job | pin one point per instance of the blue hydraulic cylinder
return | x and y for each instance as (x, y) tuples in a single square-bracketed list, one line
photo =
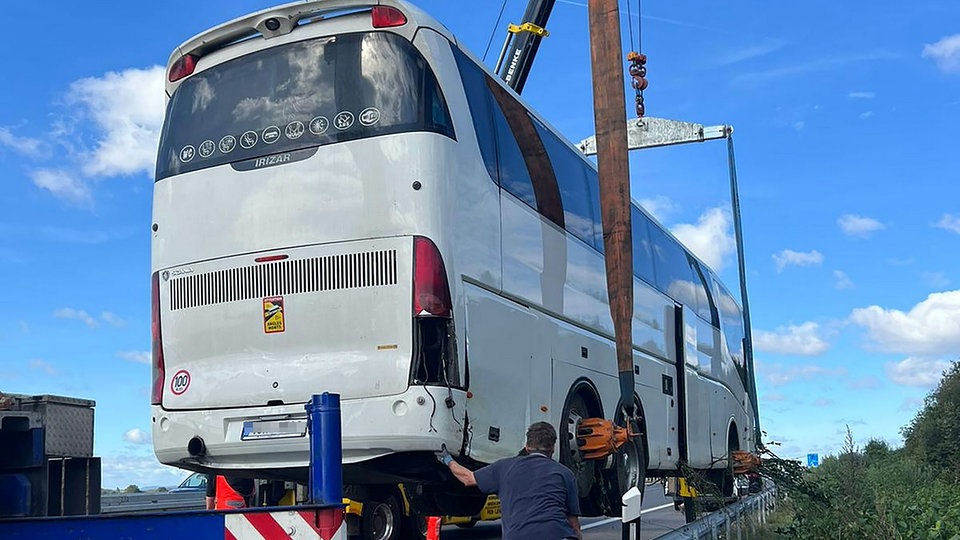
[(326, 450)]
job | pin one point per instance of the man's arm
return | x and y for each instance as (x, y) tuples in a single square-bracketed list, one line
[(575, 523), (463, 474)]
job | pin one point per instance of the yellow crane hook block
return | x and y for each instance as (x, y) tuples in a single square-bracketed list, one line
[(598, 437)]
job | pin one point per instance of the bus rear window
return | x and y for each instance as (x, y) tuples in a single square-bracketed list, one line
[(300, 95)]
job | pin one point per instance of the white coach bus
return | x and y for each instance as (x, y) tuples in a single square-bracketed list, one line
[(347, 201)]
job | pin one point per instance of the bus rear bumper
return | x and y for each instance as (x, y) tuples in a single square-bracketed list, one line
[(417, 420)]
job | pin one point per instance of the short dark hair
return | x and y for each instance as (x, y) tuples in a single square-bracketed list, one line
[(541, 436)]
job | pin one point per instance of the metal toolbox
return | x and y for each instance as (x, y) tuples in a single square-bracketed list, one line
[(67, 422)]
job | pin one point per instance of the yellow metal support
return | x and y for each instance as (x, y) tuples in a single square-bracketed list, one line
[(528, 27)]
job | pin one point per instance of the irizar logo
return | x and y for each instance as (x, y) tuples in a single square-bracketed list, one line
[(267, 161)]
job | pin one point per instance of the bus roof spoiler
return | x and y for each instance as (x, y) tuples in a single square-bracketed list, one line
[(285, 18)]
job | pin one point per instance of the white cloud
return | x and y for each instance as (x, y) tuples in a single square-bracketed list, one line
[(23, 145), (773, 396), (931, 328), (119, 471), (799, 125), (916, 371), (788, 257), (43, 366), (823, 402), (710, 239), (140, 357), (778, 375), (865, 383), (136, 436), (946, 53), (112, 319), (910, 405), (63, 185), (127, 110), (77, 315), (949, 222), (801, 340), (935, 279), (854, 225), (866, 114), (843, 280), (861, 95), (658, 207)]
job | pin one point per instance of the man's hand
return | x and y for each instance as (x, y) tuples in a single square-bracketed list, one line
[(443, 455)]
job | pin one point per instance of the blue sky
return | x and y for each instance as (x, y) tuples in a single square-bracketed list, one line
[(845, 115)]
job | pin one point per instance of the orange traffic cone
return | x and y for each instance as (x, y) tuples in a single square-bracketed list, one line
[(433, 528)]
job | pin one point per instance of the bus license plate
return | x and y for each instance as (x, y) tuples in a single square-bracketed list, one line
[(273, 429)]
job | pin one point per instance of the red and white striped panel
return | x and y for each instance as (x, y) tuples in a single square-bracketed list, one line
[(319, 524)]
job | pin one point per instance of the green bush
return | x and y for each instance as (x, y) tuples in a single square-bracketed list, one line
[(912, 493)]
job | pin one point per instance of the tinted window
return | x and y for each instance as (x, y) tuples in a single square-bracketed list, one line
[(300, 95), (672, 270), (481, 109), (578, 192), (514, 176), (705, 302), (732, 319), (515, 130), (642, 250)]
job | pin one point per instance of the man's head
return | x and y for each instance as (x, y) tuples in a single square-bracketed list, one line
[(541, 437)]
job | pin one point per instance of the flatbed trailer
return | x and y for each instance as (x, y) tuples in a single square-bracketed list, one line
[(322, 518)]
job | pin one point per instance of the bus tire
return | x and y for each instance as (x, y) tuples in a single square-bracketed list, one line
[(381, 517), (577, 407), (629, 467)]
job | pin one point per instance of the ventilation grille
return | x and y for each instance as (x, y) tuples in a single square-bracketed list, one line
[(350, 271)]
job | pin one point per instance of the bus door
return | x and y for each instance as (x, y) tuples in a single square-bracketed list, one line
[(695, 392)]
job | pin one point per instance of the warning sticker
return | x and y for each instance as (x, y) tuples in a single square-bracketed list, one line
[(273, 314)]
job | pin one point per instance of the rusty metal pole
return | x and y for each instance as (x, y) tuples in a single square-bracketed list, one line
[(609, 109)]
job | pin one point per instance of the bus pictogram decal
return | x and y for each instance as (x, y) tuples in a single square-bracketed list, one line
[(273, 314)]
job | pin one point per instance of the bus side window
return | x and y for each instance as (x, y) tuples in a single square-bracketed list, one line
[(525, 168), (642, 251), (581, 197), (481, 109), (674, 276)]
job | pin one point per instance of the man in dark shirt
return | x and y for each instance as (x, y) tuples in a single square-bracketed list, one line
[(538, 496)]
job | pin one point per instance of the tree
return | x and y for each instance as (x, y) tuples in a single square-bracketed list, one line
[(933, 436), (132, 488)]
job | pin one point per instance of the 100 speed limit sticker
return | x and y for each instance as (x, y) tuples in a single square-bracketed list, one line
[(180, 382)]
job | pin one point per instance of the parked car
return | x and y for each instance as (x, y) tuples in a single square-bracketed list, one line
[(194, 482)]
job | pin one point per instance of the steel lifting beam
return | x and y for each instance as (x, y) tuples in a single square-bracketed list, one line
[(520, 47), (650, 132)]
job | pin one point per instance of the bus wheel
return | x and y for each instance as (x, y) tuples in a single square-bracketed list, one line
[(585, 471), (628, 467), (380, 518)]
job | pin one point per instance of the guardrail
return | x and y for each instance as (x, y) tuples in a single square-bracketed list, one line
[(112, 503), (737, 520)]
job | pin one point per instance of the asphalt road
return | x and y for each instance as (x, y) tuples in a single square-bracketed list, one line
[(659, 517)]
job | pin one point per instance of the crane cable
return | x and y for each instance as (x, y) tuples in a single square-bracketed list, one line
[(494, 31), (638, 60)]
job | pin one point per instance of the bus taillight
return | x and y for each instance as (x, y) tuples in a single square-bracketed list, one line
[(387, 17), (156, 395), (182, 67), (431, 293)]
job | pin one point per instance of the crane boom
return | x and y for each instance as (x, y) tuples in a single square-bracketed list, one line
[(522, 43)]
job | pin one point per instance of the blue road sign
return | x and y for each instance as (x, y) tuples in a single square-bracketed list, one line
[(813, 460)]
